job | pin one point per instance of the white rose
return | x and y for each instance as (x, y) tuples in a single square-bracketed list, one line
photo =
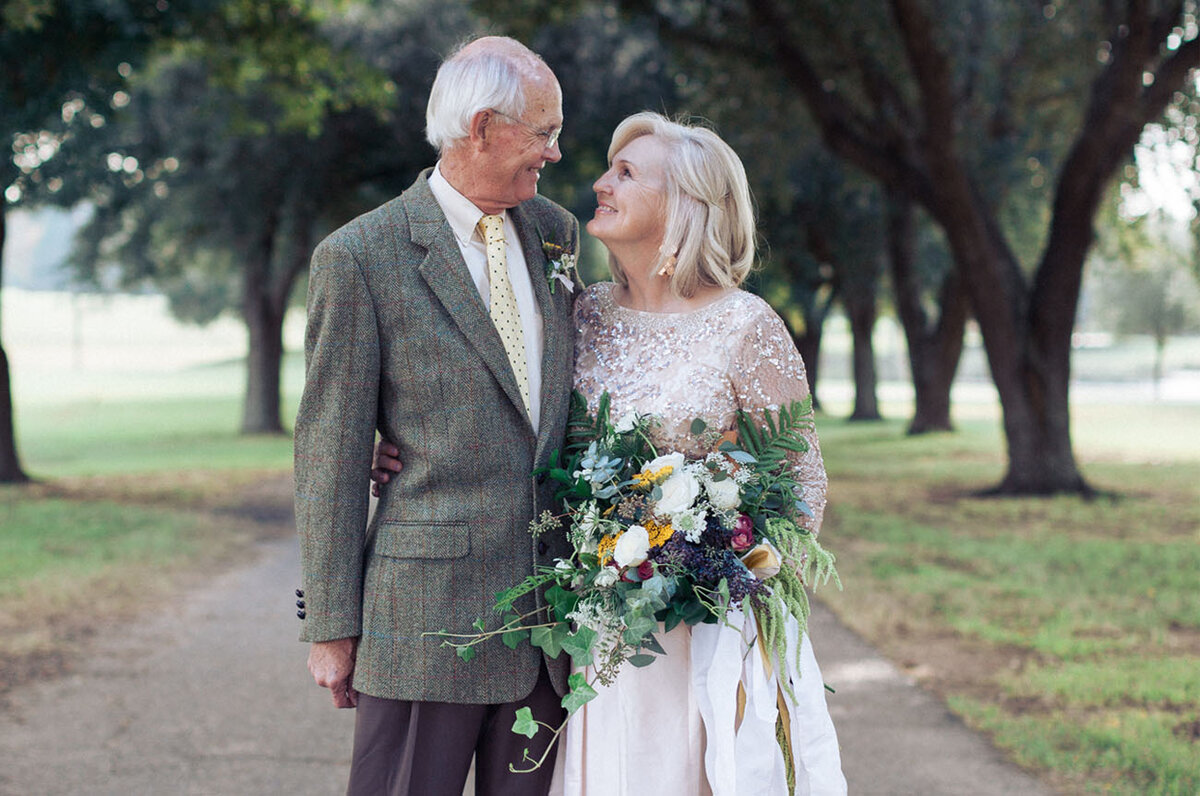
[(626, 423), (606, 577), (674, 460), (632, 547), (724, 494), (678, 493)]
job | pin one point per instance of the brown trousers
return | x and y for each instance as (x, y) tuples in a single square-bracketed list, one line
[(425, 748)]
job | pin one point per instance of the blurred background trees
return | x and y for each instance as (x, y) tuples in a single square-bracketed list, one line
[(51, 54), (932, 161)]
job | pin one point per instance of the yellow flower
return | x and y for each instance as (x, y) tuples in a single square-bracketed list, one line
[(605, 548), (647, 479), (659, 533)]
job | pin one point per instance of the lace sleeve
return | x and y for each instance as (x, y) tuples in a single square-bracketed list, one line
[(768, 373)]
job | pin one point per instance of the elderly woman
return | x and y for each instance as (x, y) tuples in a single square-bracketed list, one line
[(674, 336)]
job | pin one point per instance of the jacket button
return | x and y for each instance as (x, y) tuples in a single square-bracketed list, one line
[(301, 613), (299, 603), (299, 592), (542, 548), (541, 478)]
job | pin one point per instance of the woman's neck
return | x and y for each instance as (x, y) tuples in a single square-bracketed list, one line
[(647, 291)]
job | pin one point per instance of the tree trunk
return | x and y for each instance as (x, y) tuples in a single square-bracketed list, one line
[(264, 324), (260, 414), (933, 352), (809, 346), (10, 463), (862, 313), (264, 307), (815, 310)]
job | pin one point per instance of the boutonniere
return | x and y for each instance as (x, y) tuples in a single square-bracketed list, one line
[(560, 265)]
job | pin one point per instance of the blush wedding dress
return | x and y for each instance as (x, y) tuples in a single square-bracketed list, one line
[(672, 728)]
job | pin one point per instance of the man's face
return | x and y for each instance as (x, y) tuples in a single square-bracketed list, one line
[(519, 148)]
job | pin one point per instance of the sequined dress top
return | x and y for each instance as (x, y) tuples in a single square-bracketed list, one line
[(734, 353)]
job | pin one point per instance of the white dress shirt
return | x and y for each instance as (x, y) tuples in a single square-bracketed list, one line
[(464, 217)]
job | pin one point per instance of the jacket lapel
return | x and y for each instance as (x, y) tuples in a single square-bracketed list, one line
[(556, 346), (444, 270)]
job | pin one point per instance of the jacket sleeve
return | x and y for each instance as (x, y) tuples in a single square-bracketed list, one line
[(335, 433)]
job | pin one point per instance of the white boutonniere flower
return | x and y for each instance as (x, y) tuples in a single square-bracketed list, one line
[(560, 265)]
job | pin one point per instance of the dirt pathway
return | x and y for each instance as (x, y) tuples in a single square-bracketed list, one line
[(212, 697)]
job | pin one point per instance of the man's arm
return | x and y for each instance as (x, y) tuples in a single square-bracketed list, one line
[(335, 429)]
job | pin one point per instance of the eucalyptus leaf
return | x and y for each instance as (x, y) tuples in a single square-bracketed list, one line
[(641, 660), (651, 643)]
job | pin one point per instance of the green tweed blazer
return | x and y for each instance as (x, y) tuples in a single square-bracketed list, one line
[(399, 341)]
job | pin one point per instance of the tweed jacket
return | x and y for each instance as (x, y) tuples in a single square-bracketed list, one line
[(398, 340)]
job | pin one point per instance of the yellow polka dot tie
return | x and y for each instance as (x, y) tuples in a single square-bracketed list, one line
[(503, 302)]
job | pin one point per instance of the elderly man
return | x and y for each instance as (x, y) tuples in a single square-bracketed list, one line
[(431, 319)]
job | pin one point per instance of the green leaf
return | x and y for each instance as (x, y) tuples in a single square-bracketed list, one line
[(673, 617), (525, 725), (651, 643), (466, 653), (580, 694), (638, 627), (698, 426), (513, 638), (641, 660), (549, 639), (562, 601), (478, 624), (579, 645)]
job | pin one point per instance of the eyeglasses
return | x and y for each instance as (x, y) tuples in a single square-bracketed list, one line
[(549, 137)]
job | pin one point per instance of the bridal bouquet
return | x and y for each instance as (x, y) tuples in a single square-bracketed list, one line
[(659, 537)]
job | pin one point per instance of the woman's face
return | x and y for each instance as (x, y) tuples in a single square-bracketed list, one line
[(632, 198)]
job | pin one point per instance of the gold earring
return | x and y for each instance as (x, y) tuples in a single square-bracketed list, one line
[(668, 266)]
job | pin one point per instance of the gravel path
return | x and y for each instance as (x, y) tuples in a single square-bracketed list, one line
[(212, 697)]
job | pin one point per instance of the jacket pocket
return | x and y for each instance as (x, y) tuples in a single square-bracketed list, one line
[(423, 539)]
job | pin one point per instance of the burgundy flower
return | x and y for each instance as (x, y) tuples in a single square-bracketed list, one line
[(645, 569), (743, 534)]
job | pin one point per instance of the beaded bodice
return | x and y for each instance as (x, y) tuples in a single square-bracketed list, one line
[(732, 354)]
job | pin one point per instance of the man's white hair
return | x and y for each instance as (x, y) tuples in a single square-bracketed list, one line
[(476, 78)]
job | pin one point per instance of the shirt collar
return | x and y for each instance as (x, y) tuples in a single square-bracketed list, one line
[(460, 211)]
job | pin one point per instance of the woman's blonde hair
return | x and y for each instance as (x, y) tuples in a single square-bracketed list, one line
[(709, 214)]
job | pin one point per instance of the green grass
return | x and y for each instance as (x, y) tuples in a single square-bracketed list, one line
[(1068, 629), (55, 539), (147, 436)]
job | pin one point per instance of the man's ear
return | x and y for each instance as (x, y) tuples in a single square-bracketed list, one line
[(481, 127)]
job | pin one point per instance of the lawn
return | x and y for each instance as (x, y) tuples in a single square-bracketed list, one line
[(1067, 629)]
